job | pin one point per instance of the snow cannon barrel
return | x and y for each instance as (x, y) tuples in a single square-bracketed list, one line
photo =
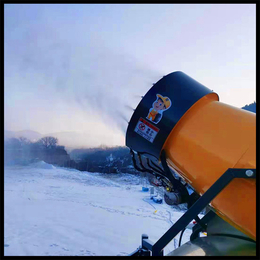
[(202, 138)]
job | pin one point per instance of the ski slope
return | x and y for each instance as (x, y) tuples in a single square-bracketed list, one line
[(53, 211)]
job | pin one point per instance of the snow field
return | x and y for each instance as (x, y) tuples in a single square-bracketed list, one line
[(52, 211)]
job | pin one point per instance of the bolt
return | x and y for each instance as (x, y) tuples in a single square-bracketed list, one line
[(249, 173)]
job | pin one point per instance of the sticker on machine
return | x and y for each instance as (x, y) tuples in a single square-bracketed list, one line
[(160, 105), (146, 130)]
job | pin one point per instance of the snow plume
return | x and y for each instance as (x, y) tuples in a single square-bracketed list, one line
[(104, 84), (64, 78)]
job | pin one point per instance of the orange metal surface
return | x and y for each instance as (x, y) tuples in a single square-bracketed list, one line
[(210, 138)]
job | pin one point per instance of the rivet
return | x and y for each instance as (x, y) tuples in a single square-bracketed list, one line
[(249, 173)]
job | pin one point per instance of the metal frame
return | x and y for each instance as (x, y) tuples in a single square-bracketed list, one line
[(156, 249)]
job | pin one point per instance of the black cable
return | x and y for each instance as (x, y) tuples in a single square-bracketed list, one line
[(134, 162), (181, 236), (159, 168), (141, 163), (143, 169), (154, 169), (148, 154), (156, 173)]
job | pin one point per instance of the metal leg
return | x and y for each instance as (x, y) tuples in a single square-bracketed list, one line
[(195, 209)]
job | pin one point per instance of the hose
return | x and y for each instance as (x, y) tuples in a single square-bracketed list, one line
[(181, 236)]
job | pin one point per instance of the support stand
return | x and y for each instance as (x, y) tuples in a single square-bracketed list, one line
[(149, 248)]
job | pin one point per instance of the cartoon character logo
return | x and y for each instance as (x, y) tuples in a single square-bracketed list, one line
[(159, 106)]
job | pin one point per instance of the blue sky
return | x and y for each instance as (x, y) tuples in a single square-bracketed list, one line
[(79, 67)]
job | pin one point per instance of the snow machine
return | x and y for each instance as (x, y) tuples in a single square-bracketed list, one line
[(185, 137)]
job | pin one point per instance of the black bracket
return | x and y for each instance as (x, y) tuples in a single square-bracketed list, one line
[(158, 173), (201, 225), (157, 247)]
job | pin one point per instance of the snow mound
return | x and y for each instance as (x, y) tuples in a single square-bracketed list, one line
[(43, 165)]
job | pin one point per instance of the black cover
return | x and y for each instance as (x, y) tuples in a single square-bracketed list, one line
[(183, 92)]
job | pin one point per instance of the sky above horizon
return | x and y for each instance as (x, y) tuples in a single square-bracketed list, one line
[(84, 67)]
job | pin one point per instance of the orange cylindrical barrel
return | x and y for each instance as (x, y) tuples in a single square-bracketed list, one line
[(210, 138)]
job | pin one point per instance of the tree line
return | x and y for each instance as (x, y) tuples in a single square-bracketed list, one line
[(23, 152), (104, 159)]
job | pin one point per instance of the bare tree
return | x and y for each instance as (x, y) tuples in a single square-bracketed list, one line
[(48, 142), (24, 140)]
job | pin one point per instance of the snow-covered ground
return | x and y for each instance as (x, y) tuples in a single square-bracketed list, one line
[(53, 211)]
